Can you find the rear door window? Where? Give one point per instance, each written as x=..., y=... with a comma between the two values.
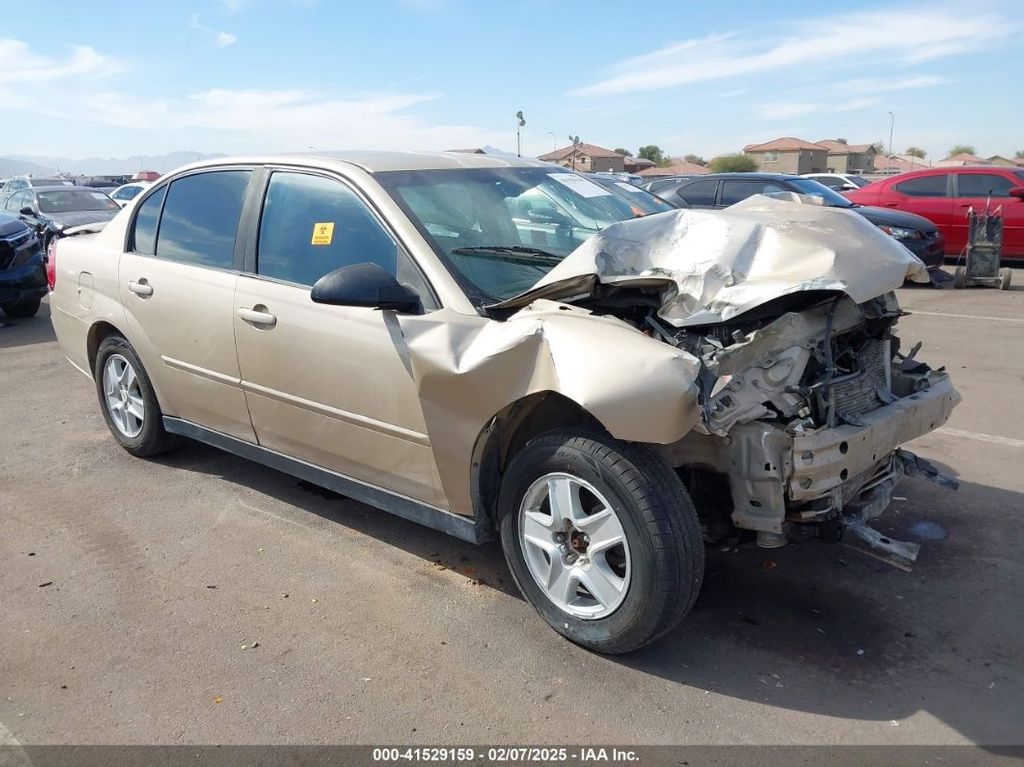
x=147, y=218
x=200, y=218
x=736, y=191
x=924, y=186
x=984, y=184
x=699, y=193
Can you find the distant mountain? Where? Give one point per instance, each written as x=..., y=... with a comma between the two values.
x=10, y=166
x=96, y=166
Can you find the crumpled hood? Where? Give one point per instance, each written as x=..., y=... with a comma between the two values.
x=715, y=265
x=72, y=218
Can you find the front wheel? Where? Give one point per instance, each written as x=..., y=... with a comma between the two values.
x=601, y=538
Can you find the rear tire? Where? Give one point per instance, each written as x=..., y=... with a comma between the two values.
x=616, y=598
x=1005, y=277
x=128, y=400
x=22, y=308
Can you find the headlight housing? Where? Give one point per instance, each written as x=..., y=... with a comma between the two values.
x=901, y=233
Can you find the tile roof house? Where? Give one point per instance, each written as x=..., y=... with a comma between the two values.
x=788, y=155
x=637, y=164
x=677, y=169
x=1012, y=162
x=899, y=163
x=587, y=157
x=962, y=159
x=848, y=158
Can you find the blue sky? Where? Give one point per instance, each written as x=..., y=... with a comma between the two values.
x=125, y=78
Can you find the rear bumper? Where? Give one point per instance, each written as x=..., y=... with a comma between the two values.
x=930, y=251
x=27, y=280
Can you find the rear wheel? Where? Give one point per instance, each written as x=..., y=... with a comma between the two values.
x=24, y=307
x=1005, y=276
x=960, y=277
x=601, y=538
x=128, y=400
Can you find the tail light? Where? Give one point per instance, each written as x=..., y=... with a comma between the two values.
x=51, y=264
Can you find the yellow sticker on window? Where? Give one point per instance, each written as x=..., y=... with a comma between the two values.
x=323, y=233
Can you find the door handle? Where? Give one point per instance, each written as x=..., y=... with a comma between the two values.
x=257, y=317
x=141, y=288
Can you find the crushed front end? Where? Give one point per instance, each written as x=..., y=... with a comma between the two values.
x=805, y=404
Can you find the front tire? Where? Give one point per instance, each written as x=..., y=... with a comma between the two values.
x=128, y=400
x=601, y=538
x=22, y=308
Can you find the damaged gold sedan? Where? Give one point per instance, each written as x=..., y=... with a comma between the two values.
x=502, y=348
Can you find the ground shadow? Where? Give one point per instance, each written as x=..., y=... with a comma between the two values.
x=814, y=627
x=27, y=332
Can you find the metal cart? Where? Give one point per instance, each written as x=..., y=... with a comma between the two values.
x=984, y=249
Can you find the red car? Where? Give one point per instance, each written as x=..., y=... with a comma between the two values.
x=944, y=195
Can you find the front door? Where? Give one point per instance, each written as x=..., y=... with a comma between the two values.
x=177, y=283
x=331, y=385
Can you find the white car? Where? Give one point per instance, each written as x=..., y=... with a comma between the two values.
x=841, y=182
x=128, y=192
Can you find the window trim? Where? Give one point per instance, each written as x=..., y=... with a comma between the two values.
x=946, y=196
x=129, y=238
x=431, y=302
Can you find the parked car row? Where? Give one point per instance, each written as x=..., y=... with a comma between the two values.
x=720, y=190
x=944, y=195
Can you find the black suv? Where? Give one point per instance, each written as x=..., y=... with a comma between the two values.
x=22, y=273
x=720, y=190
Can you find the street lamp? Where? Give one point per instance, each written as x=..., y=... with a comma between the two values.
x=520, y=122
x=554, y=141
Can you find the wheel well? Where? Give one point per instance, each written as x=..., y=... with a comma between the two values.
x=97, y=333
x=508, y=431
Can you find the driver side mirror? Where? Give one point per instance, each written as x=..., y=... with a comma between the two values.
x=27, y=211
x=1017, y=191
x=367, y=285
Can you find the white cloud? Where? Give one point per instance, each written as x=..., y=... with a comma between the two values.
x=784, y=110
x=880, y=84
x=221, y=39
x=871, y=37
x=20, y=65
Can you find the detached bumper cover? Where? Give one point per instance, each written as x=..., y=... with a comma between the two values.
x=838, y=459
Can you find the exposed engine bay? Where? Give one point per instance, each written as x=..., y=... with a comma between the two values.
x=803, y=411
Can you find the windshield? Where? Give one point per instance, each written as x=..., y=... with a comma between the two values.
x=642, y=200
x=73, y=200
x=814, y=188
x=474, y=217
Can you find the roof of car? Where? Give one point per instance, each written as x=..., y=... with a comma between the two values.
x=374, y=162
x=67, y=188
x=748, y=176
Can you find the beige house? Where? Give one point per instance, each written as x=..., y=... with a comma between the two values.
x=587, y=158
x=848, y=158
x=998, y=159
x=678, y=169
x=961, y=159
x=789, y=155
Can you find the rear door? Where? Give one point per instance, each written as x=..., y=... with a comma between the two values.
x=974, y=189
x=929, y=196
x=331, y=385
x=177, y=284
x=702, y=193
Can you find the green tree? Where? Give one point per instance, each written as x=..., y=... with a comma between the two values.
x=916, y=151
x=879, y=147
x=624, y=152
x=1019, y=155
x=696, y=159
x=733, y=163
x=653, y=153
x=961, y=149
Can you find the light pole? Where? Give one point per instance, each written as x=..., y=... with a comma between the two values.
x=892, y=123
x=554, y=141
x=520, y=122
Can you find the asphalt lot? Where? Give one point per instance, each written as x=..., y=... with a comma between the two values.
x=129, y=588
